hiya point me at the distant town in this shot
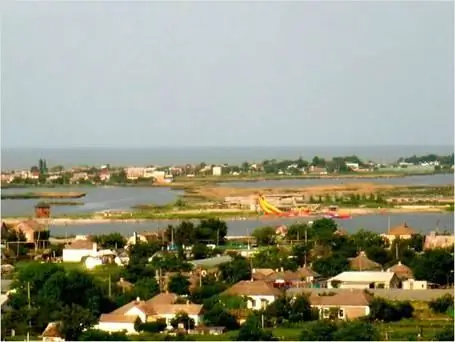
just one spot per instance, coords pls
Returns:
(317, 166)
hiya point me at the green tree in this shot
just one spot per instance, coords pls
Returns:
(321, 330)
(264, 236)
(235, 270)
(435, 266)
(251, 331)
(330, 266)
(356, 331)
(447, 334)
(200, 251)
(441, 304)
(179, 284)
(385, 311)
(110, 241)
(218, 316)
(300, 309)
(184, 319)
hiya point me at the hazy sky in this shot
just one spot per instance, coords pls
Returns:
(227, 74)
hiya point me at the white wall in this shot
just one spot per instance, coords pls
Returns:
(112, 327)
(412, 284)
(75, 255)
(255, 302)
(169, 317)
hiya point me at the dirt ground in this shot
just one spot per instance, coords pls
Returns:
(219, 193)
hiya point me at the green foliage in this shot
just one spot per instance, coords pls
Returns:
(321, 330)
(212, 230)
(179, 284)
(110, 241)
(265, 236)
(152, 327)
(356, 331)
(385, 311)
(235, 270)
(218, 316)
(251, 331)
(447, 334)
(331, 266)
(441, 304)
(435, 266)
(208, 289)
(294, 310)
(200, 251)
(274, 257)
(100, 335)
(52, 298)
(184, 319)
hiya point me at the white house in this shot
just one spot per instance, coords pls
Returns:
(217, 170)
(412, 284)
(259, 293)
(161, 306)
(364, 280)
(79, 249)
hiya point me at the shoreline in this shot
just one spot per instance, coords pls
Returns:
(352, 211)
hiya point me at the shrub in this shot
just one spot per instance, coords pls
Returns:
(441, 304)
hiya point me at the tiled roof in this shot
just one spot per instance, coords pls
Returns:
(402, 271)
(80, 244)
(402, 229)
(163, 299)
(343, 298)
(53, 329)
(29, 225)
(307, 272)
(172, 309)
(253, 288)
(262, 273)
(362, 263)
(118, 318)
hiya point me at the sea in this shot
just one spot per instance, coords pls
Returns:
(24, 158)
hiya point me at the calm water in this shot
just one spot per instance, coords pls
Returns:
(25, 158)
(441, 179)
(97, 199)
(118, 198)
(377, 223)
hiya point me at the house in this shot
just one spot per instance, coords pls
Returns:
(402, 231)
(53, 332)
(259, 293)
(144, 237)
(217, 170)
(78, 249)
(30, 228)
(346, 304)
(303, 277)
(262, 273)
(434, 240)
(362, 263)
(412, 284)
(79, 176)
(161, 306)
(403, 272)
(364, 280)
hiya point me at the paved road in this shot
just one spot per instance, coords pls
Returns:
(390, 294)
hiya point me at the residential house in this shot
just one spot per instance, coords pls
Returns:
(78, 249)
(262, 273)
(434, 240)
(217, 170)
(161, 306)
(317, 170)
(347, 304)
(362, 263)
(133, 173)
(258, 293)
(364, 280)
(53, 332)
(412, 284)
(403, 272)
(303, 277)
(79, 176)
(144, 237)
(104, 174)
(402, 231)
(30, 228)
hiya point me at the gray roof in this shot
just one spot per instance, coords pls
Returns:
(211, 262)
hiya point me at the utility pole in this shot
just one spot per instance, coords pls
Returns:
(110, 286)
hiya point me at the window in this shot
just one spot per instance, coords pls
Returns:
(326, 312)
(341, 313)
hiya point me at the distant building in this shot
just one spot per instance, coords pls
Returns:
(78, 249)
(364, 280)
(259, 294)
(42, 210)
(402, 231)
(30, 229)
(217, 170)
(433, 240)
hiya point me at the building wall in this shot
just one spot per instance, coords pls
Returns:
(168, 318)
(349, 312)
(217, 170)
(116, 326)
(259, 302)
(412, 284)
(75, 255)
(364, 285)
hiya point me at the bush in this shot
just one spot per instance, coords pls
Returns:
(152, 327)
(385, 311)
(441, 304)
(446, 334)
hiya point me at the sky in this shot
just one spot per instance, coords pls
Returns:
(153, 74)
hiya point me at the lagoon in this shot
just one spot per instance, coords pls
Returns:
(97, 199)
(422, 223)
